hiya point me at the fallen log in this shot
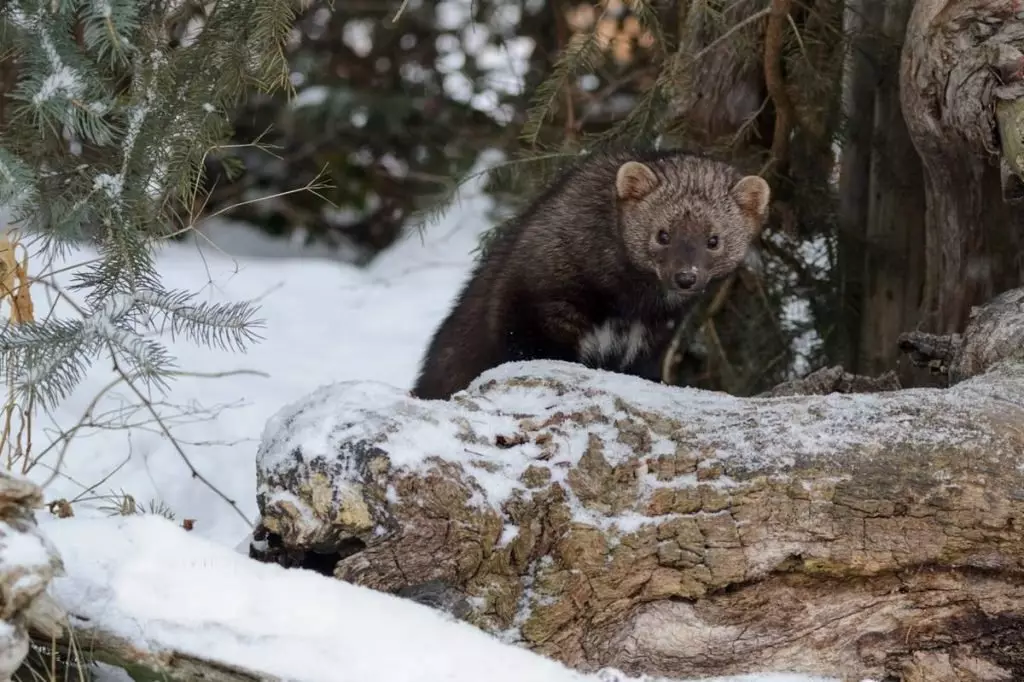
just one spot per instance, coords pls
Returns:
(27, 564)
(38, 641)
(607, 521)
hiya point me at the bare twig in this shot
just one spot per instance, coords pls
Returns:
(174, 441)
(67, 441)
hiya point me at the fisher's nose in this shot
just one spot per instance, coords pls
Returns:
(685, 279)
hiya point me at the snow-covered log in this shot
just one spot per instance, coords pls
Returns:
(604, 520)
(27, 564)
(121, 603)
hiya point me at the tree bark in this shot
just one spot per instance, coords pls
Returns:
(894, 267)
(607, 521)
(862, 23)
(954, 53)
(1010, 117)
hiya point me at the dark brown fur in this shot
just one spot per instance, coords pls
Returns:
(580, 275)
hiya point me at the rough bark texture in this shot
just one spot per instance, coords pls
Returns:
(607, 521)
(934, 351)
(27, 564)
(956, 56)
(1010, 117)
(834, 380)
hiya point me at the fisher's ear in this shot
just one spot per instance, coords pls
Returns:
(752, 194)
(634, 181)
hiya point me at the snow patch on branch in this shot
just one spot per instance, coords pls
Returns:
(62, 80)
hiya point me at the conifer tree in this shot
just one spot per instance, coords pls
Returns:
(104, 133)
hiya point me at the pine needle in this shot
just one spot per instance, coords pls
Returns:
(584, 52)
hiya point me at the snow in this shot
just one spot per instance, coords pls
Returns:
(26, 550)
(62, 78)
(325, 321)
(217, 604)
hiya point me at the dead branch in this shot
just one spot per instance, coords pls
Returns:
(934, 351)
(774, 81)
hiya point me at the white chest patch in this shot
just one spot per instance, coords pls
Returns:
(616, 343)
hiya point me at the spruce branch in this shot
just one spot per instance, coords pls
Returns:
(46, 359)
(648, 18)
(583, 52)
(17, 181)
(107, 25)
(115, 106)
(650, 114)
(226, 325)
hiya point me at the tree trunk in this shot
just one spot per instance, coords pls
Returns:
(861, 23)
(953, 57)
(894, 257)
(607, 521)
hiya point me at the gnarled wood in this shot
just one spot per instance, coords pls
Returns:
(608, 521)
(955, 58)
(834, 380)
(1010, 117)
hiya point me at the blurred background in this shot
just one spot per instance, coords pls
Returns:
(395, 102)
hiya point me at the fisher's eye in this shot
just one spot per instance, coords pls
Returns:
(663, 237)
(713, 242)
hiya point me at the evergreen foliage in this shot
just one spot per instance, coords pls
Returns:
(116, 105)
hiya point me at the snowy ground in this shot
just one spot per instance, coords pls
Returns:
(326, 321)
